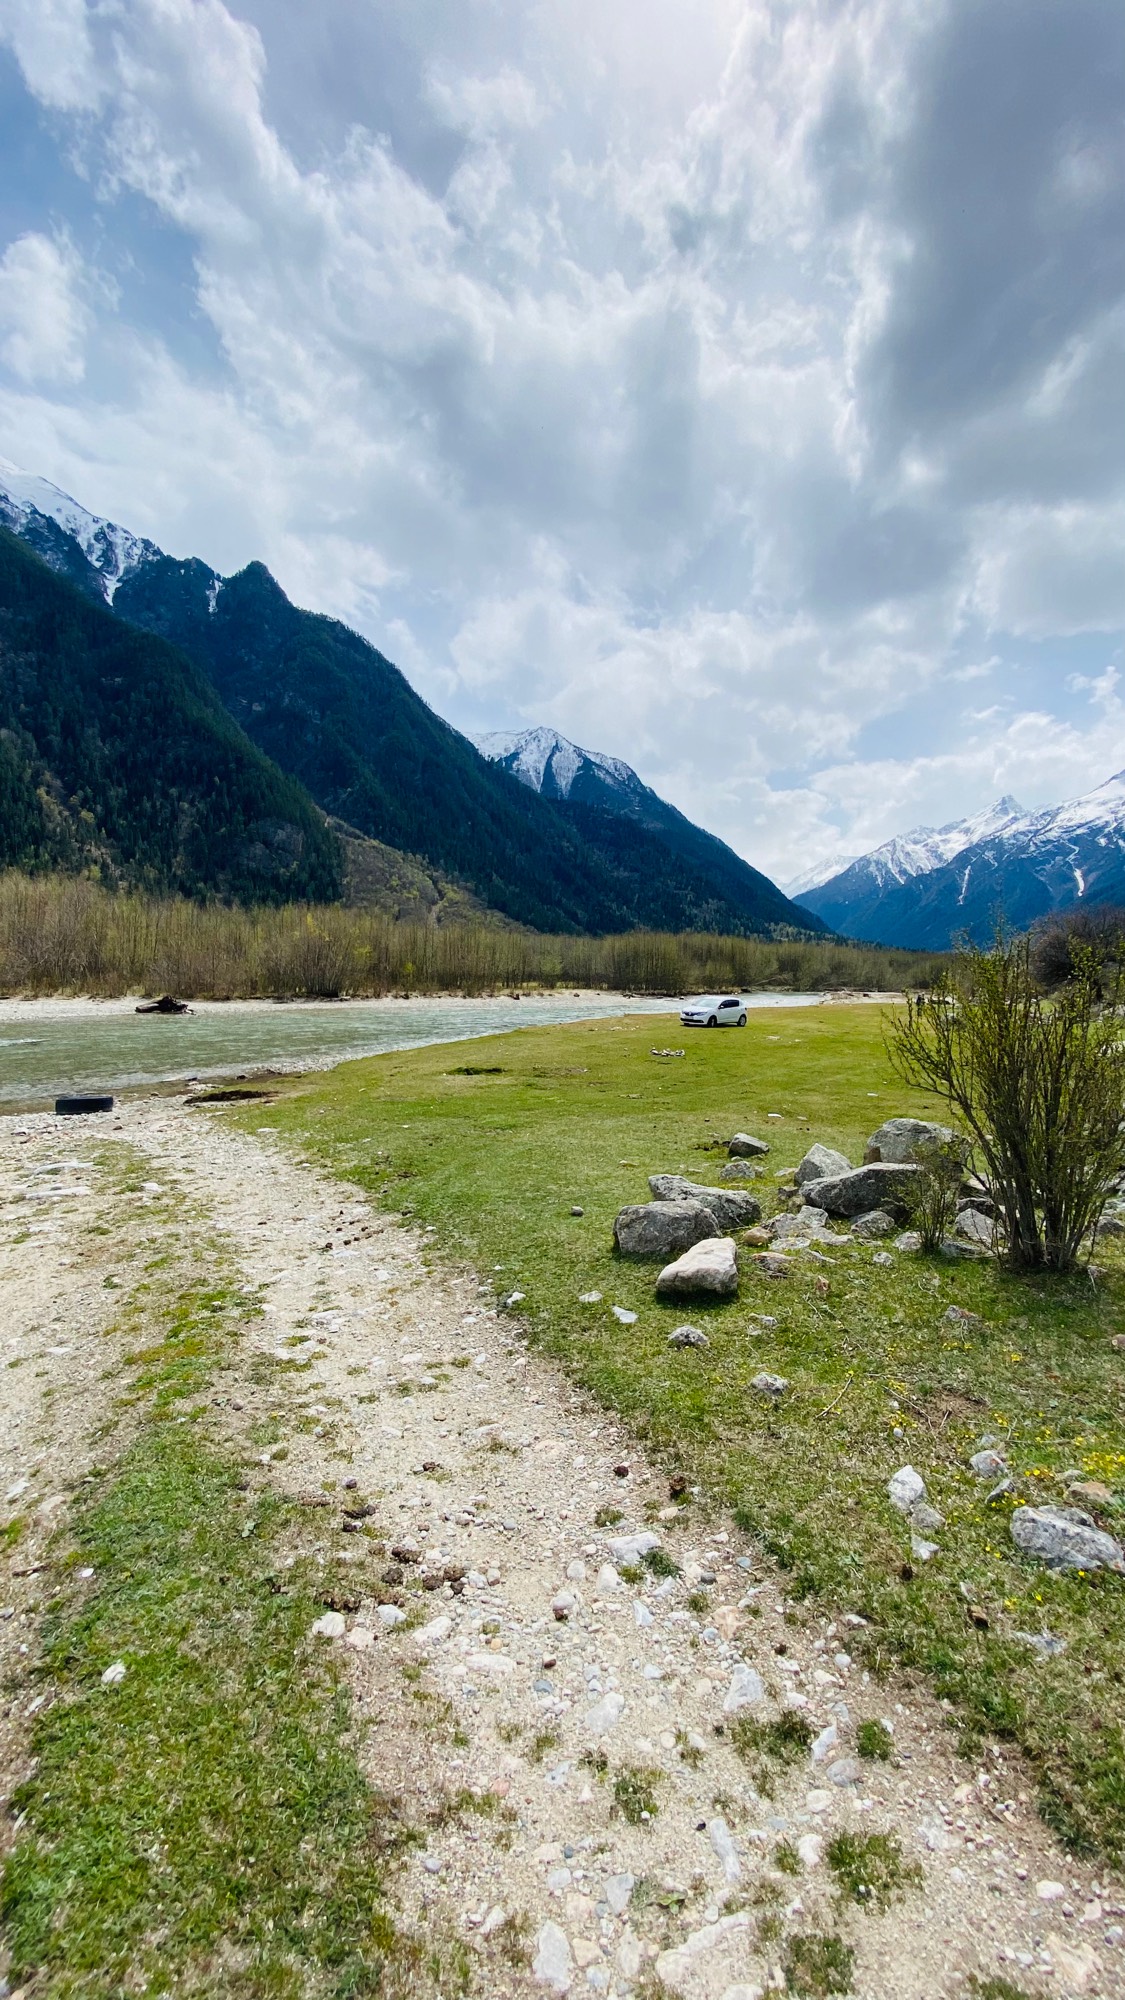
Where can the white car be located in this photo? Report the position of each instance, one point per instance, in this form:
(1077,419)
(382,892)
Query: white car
(714,1011)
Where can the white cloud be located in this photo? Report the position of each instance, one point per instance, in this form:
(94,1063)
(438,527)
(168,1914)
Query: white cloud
(44,320)
(682,400)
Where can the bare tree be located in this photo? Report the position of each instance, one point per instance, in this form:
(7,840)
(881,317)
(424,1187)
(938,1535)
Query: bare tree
(1038,1082)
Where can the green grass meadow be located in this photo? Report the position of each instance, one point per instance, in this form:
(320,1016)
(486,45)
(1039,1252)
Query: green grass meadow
(493,1141)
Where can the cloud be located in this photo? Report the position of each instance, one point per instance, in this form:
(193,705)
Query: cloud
(44,320)
(723,384)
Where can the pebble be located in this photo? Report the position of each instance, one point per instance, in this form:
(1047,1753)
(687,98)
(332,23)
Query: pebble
(390,1616)
(589,1298)
(361,1638)
(114,1675)
(623,1316)
(617,1890)
(1050,1892)
(770,1385)
(688,1336)
(606,1714)
(722,1841)
(905,1488)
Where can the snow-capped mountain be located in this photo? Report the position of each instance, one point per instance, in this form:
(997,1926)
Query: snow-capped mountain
(599,792)
(551,764)
(35,510)
(929,887)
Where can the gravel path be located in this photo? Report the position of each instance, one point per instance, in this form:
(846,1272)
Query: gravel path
(571,1700)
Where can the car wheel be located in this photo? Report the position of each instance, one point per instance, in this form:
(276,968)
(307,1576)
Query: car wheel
(742,1020)
(712,1023)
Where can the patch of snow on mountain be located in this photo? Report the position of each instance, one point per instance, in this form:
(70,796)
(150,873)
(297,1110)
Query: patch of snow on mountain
(823,872)
(113,551)
(530,753)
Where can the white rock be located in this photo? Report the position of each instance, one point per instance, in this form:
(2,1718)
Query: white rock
(589,1298)
(390,1615)
(433,1633)
(553,1965)
(576,1570)
(606,1714)
(623,1316)
(630,1548)
(745,1690)
(114,1675)
(361,1639)
(1050,1892)
(642,1614)
(490,1663)
(674,1966)
(630,1956)
(825,1744)
(608,1580)
(710,1267)
(810,1847)
(331,1625)
(905,1488)
(1064,1538)
(496,1916)
(722,1842)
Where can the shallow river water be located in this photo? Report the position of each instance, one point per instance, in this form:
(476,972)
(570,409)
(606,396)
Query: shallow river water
(48,1047)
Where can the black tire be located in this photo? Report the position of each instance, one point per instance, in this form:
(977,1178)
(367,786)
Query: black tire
(80,1107)
(742,1020)
(712,1023)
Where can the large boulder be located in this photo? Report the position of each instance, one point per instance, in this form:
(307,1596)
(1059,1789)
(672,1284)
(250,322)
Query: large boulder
(709,1268)
(821,1163)
(662,1229)
(1065,1538)
(862,1189)
(898,1140)
(730,1207)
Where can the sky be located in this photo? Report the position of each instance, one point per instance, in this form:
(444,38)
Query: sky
(735,386)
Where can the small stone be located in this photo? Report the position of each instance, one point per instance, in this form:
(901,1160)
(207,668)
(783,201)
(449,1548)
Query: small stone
(390,1616)
(825,1744)
(629,1549)
(114,1675)
(576,1570)
(361,1639)
(330,1625)
(773,1264)
(1050,1892)
(905,1488)
(745,1690)
(770,1385)
(1046,1644)
(589,1298)
(575,1210)
(722,1842)
(709,1267)
(586,1953)
(608,1581)
(988,1464)
(910,1240)
(687,1336)
(617,1890)
(922,1550)
(606,1714)
(845,1771)
(433,1634)
(432,1863)
(563,1605)
(874,1224)
(766,1320)
(744,1146)
(623,1316)
(810,1847)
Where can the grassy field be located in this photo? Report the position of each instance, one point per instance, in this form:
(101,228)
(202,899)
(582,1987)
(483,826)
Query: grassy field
(493,1142)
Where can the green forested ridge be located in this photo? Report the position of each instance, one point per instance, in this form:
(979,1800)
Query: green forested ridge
(115,753)
(333,711)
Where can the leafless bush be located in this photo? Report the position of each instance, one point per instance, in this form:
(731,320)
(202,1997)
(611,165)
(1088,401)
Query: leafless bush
(1067,938)
(931,1202)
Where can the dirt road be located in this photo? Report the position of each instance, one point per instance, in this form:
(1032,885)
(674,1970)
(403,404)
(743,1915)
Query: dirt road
(598,1693)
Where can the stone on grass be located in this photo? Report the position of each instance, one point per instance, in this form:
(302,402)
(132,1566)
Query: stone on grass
(974,1227)
(901,1140)
(1046,1644)
(623,1316)
(988,1464)
(909,1240)
(1065,1538)
(662,1229)
(552,1965)
(688,1336)
(773,1264)
(821,1163)
(883,1257)
(331,1625)
(114,1675)
(731,1208)
(632,1548)
(845,1771)
(807,1222)
(905,1488)
(709,1267)
(744,1146)
(739,1170)
(770,1385)
(874,1224)
(745,1690)
(862,1189)
(390,1616)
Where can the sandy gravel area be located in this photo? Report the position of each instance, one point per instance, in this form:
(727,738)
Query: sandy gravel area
(565,1691)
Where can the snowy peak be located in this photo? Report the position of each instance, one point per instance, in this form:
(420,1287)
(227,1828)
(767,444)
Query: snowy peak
(28,503)
(551,764)
(917,852)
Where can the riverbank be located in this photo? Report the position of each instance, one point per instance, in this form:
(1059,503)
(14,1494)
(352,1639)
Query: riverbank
(248,1401)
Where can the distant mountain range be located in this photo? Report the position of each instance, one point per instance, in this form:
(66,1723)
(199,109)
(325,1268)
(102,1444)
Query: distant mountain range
(338,726)
(926,888)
